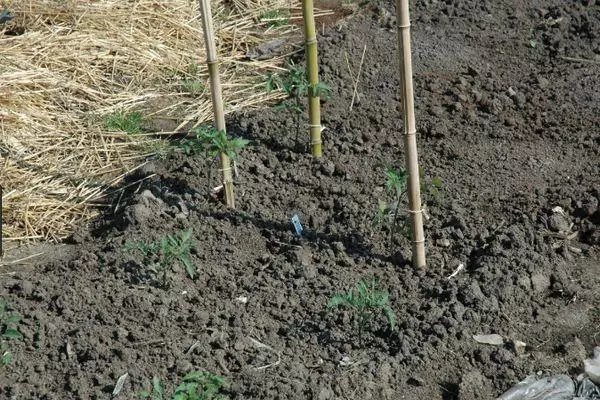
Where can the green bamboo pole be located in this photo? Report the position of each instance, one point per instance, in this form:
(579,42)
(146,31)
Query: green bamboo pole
(314,104)
(217,97)
(410,140)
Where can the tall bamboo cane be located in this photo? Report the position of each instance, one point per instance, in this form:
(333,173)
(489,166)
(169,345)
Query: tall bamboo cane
(314,104)
(410,140)
(217,97)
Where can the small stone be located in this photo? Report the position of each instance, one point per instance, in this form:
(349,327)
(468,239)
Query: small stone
(302,256)
(540,282)
(328,167)
(309,271)
(542,82)
(121,333)
(439,330)
(558,223)
(495,107)
(25,287)
(338,247)
(473,294)
(502,356)
(436,111)
(519,347)
(443,242)
(492,339)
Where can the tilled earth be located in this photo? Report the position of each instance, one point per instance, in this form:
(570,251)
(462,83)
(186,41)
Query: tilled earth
(508,114)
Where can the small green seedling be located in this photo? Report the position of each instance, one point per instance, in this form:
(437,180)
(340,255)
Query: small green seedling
(388,213)
(129,122)
(275,18)
(197,385)
(365,299)
(212,142)
(8,331)
(296,85)
(156,391)
(430,187)
(193,86)
(162,255)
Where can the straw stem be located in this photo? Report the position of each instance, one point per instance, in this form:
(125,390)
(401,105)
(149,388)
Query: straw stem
(410,140)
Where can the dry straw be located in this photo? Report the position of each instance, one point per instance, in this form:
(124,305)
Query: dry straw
(67,65)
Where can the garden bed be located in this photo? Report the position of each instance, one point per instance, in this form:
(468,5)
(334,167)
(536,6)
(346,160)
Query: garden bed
(508,115)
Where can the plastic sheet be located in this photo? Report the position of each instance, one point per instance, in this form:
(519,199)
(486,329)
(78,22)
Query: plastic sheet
(558,387)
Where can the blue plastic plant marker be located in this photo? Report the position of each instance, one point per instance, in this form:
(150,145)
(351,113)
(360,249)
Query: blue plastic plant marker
(297,225)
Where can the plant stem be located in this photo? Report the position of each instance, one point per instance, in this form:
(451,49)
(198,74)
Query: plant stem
(314,103)
(395,220)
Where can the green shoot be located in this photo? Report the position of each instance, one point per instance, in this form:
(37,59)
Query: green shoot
(130,123)
(164,253)
(193,86)
(388,213)
(197,385)
(430,187)
(296,85)
(212,142)
(8,331)
(156,391)
(275,18)
(366,299)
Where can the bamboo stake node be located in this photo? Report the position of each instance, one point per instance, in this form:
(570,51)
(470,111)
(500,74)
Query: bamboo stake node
(410,141)
(314,103)
(217,96)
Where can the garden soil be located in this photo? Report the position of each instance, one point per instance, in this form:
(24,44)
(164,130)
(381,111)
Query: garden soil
(508,116)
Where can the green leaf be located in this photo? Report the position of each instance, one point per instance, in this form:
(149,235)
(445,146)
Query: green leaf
(10,333)
(389,313)
(7,358)
(13,319)
(437,182)
(190,268)
(336,301)
(158,389)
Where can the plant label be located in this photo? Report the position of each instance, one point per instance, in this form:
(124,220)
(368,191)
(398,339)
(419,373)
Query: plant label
(297,224)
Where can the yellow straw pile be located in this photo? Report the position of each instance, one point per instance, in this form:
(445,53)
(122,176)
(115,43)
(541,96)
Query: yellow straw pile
(65,66)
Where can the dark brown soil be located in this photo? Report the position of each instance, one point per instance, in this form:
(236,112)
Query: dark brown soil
(508,118)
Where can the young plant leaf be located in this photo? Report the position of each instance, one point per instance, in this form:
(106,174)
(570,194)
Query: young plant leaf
(11,333)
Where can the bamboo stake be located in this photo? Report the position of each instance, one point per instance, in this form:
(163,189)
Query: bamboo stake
(410,140)
(217,98)
(314,103)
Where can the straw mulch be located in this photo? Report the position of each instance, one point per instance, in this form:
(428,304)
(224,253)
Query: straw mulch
(65,66)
